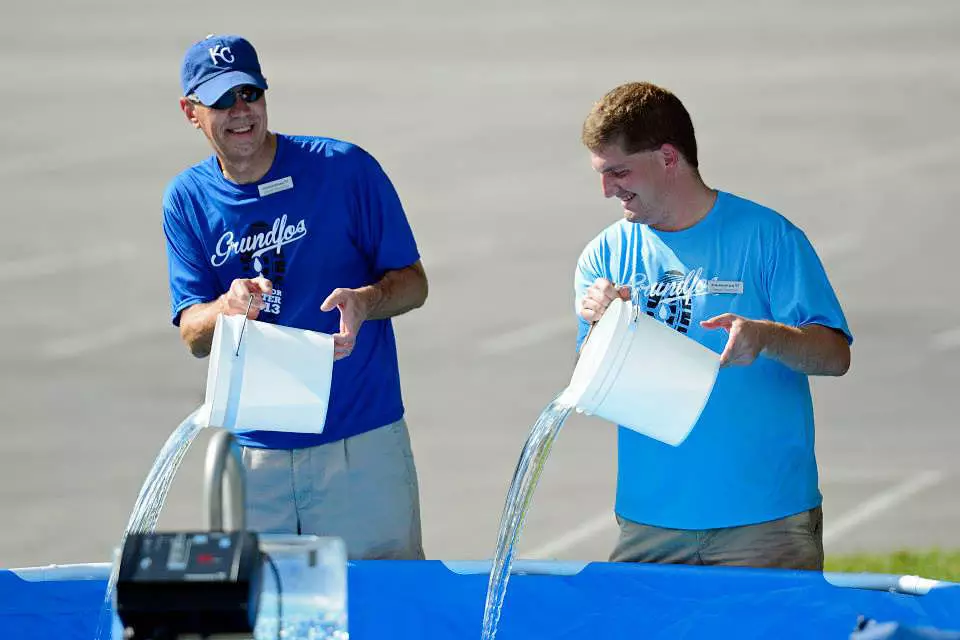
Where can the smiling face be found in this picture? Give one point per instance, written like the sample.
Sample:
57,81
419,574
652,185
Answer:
639,180
238,134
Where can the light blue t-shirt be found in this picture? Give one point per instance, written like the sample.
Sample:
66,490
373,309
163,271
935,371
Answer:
750,457
324,216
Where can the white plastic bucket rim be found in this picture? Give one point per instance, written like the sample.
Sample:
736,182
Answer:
601,357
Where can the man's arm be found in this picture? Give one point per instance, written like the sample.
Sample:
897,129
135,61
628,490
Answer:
813,349
398,291
196,327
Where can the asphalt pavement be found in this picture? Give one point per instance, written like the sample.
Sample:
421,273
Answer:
842,117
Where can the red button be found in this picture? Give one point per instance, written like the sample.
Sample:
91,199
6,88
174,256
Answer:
205,558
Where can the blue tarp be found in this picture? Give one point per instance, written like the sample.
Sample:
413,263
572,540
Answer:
396,600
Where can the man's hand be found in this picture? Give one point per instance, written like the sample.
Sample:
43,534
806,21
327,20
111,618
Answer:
398,291
237,299
353,311
198,321
747,338
598,297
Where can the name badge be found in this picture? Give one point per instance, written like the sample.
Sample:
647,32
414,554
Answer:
274,186
725,286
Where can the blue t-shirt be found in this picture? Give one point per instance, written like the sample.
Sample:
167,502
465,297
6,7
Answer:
750,457
340,225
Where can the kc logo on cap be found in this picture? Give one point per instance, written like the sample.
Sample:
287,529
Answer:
221,52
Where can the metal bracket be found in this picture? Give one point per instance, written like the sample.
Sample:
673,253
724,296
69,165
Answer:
224,468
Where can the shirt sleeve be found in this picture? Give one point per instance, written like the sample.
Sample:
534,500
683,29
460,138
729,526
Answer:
588,270
798,288
384,234
192,280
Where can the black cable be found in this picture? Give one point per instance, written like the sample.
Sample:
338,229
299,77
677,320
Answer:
276,576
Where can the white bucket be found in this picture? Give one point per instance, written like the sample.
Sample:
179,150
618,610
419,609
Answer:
641,374
279,380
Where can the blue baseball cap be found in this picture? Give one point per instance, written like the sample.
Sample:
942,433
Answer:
216,65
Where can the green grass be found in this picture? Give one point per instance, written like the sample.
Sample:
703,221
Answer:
934,563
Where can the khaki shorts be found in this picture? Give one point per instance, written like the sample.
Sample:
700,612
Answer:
362,489
794,542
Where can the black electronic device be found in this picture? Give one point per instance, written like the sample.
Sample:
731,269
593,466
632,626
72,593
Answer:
179,583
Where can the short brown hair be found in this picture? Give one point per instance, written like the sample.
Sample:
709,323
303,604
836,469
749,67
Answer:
640,116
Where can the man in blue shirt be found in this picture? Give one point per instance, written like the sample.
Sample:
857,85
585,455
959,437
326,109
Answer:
739,278
314,231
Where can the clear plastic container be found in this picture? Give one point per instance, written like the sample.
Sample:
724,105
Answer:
311,601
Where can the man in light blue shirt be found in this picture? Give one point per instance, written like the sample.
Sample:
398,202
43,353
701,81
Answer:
739,278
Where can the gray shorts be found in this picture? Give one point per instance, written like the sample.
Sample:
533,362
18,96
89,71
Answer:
362,489
794,542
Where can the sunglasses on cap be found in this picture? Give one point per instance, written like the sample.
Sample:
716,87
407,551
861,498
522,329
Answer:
248,93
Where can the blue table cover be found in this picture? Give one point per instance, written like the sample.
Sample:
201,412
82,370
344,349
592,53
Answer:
394,600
